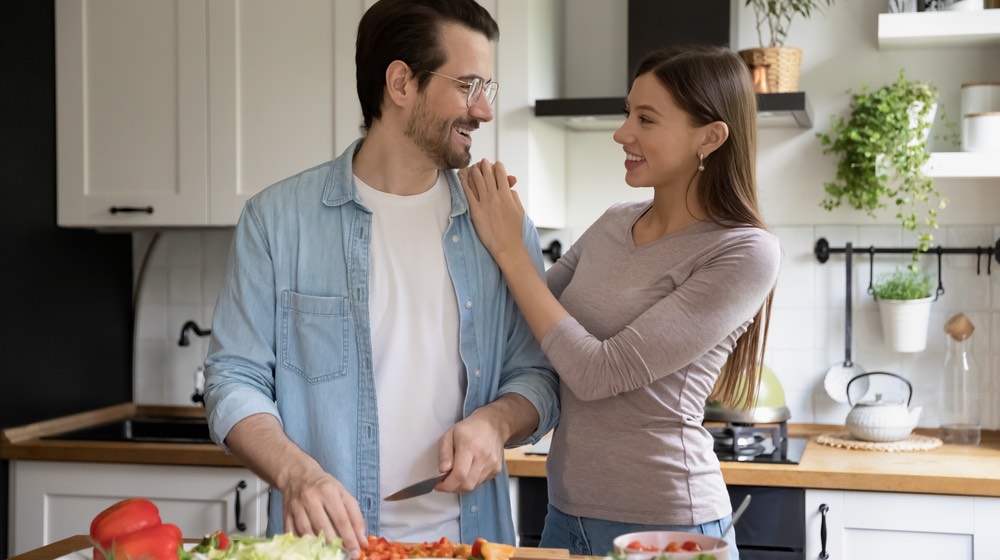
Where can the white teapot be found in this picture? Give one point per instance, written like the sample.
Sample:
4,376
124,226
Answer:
881,420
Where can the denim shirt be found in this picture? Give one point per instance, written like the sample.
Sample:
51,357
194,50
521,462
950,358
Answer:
291,336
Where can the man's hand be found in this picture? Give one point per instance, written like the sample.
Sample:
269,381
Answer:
313,501
473,448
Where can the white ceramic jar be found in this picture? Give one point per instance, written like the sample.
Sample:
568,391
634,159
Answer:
981,132
980,97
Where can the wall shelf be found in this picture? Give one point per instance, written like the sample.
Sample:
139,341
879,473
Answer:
607,113
963,164
979,28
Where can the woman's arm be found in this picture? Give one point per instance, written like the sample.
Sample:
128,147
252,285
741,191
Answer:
499,219
700,314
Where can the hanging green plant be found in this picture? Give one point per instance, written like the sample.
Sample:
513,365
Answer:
902,284
882,151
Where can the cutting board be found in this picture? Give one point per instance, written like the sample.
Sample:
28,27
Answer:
82,543
531,553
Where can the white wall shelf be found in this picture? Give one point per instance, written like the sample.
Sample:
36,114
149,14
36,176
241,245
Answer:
963,164
978,28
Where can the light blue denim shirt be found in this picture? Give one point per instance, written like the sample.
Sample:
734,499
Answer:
291,336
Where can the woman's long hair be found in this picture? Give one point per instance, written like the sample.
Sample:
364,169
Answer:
713,84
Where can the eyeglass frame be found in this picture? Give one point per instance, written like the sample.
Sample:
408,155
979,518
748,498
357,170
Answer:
477,87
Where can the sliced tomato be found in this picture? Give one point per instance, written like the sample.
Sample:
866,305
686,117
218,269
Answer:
477,548
691,546
636,545
673,546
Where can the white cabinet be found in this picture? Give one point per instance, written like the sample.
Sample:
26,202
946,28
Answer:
878,525
174,112
936,30
50,501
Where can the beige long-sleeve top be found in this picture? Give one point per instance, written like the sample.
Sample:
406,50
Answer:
649,329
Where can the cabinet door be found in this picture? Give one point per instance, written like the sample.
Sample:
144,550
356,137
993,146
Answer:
878,525
131,108
271,109
987,538
54,500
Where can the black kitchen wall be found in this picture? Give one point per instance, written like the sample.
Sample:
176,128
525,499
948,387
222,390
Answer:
65,295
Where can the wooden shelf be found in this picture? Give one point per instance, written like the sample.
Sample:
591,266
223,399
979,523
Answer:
980,28
963,164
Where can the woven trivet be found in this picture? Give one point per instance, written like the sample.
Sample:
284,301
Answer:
913,442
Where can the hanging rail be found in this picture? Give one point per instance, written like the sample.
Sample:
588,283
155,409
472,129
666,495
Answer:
823,252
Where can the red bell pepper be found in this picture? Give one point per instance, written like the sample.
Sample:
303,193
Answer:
127,516
161,542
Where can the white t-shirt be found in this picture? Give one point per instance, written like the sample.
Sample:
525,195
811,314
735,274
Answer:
419,376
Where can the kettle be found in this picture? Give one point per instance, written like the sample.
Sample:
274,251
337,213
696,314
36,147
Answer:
882,420
768,408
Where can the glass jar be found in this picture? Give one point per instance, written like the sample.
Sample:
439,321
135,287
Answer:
960,407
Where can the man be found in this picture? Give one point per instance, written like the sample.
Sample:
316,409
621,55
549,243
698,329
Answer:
364,339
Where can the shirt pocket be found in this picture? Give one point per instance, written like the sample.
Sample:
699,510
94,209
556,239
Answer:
314,336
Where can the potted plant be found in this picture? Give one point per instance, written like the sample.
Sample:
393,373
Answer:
882,150
773,19
904,302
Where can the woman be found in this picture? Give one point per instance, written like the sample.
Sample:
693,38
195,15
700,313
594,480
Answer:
659,306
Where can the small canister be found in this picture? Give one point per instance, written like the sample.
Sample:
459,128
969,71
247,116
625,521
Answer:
981,132
980,97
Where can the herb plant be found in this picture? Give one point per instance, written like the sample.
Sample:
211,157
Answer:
902,284
882,149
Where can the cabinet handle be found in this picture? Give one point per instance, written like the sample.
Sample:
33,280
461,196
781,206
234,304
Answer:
823,508
131,209
240,525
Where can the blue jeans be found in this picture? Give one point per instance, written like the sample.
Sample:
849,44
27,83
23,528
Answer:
592,537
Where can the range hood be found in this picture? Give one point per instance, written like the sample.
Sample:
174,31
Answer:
654,24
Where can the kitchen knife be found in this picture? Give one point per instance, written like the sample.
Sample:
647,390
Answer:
418,489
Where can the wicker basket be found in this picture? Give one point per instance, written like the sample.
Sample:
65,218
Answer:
782,63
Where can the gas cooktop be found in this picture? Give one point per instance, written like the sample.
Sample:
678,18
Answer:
757,443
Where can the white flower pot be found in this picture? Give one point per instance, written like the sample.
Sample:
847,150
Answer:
904,323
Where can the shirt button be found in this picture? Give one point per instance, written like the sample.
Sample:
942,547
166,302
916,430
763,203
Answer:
474,509
454,239
468,305
476,373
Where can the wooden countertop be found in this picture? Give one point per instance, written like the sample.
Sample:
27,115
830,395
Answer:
950,469
26,443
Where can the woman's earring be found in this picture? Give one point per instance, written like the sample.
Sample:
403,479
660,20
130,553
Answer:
701,162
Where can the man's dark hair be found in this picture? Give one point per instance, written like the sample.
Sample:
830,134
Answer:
408,30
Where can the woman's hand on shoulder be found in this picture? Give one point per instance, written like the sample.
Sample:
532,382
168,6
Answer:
494,206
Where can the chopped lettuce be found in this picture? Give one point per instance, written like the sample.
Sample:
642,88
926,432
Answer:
280,547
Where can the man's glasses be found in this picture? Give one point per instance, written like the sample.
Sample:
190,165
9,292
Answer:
476,88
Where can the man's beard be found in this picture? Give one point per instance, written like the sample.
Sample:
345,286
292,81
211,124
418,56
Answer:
434,138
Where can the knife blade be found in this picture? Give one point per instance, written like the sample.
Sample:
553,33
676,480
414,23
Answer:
418,489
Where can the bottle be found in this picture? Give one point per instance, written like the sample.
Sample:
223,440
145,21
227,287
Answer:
960,408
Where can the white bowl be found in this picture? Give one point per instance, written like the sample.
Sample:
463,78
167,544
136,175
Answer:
710,546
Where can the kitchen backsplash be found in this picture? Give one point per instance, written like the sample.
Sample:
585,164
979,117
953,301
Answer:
185,271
